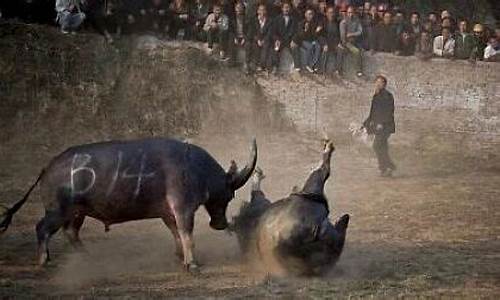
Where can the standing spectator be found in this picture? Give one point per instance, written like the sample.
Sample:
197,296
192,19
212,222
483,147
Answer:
492,51
308,38
380,122
238,32
259,40
424,48
464,42
330,41
386,38
69,15
179,12
435,24
285,28
444,45
479,42
216,26
198,14
350,32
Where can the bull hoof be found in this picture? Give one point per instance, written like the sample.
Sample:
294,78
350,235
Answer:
192,268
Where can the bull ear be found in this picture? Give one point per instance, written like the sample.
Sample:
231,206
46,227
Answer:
237,178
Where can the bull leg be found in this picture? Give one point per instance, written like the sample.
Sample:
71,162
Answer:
316,181
173,228
185,224
45,228
72,230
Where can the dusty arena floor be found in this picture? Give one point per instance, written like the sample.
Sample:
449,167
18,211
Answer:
433,230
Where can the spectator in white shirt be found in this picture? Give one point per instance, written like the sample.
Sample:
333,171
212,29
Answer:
444,45
492,51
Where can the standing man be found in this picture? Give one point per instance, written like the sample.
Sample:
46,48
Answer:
380,122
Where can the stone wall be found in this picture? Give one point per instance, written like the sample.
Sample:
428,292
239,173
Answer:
439,99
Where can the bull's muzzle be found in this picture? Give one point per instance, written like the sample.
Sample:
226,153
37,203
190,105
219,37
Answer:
219,224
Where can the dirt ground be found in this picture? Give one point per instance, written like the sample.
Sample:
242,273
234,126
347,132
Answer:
431,231
426,232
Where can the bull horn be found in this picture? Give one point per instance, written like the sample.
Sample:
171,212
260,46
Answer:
239,178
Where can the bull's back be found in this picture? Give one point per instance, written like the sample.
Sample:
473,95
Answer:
119,180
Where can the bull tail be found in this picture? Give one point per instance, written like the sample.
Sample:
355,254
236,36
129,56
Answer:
6,218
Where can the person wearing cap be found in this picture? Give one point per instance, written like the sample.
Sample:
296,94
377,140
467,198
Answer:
479,42
350,33
464,41
444,45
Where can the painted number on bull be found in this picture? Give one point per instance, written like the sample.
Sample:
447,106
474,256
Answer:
80,169
140,176
79,165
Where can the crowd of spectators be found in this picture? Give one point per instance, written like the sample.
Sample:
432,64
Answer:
317,33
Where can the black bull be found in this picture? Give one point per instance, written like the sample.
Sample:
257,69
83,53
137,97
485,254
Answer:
293,235
121,181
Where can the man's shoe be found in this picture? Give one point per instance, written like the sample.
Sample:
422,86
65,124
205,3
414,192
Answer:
309,69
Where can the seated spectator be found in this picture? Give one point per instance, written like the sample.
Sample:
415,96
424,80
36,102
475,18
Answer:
444,45
298,8
156,15
97,16
369,22
198,14
134,14
69,15
342,12
406,44
381,10
216,26
179,13
308,38
448,23
415,26
445,14
238,31
492,51
330,40
320,13
259,39
434,24
350,32
284,30
424,47
399,23
274,8
479,42
464,42
386,38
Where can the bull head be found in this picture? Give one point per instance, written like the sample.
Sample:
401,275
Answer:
237,178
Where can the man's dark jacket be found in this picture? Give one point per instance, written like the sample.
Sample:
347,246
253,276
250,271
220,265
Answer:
381,112
283,33
255,32
386,38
